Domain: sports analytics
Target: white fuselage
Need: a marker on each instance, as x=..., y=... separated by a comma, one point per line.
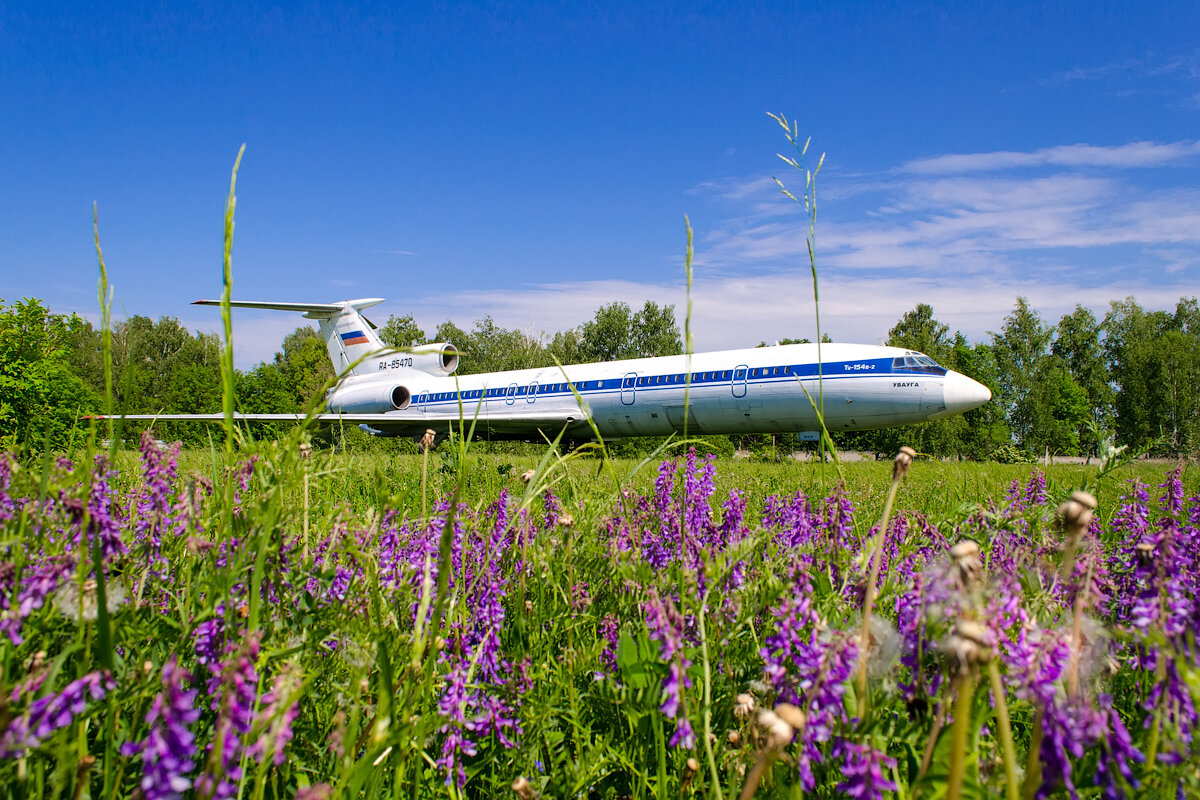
x=755, y=390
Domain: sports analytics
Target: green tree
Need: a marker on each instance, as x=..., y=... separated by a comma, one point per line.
x=40, y=394
x=824, y=340
x=1077, y=343
x=616, y=332
x=985, y=428
x=1019, y=349
x=1060, y=408
x=1131, y=348
x=918, y=330
x=304, y=362
x=566, y=346
x=402, y=332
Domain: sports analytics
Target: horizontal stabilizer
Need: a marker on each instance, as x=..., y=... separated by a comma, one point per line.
x=410, y=421
x=310, y=310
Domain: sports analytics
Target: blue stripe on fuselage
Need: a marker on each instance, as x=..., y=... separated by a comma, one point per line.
x=861, y=368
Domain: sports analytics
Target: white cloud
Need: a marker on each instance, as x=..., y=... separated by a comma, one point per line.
x=1134, y=154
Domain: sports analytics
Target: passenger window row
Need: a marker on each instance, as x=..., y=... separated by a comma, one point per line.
x=649, y=380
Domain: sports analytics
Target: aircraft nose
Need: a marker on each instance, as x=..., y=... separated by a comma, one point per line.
x=963, y=393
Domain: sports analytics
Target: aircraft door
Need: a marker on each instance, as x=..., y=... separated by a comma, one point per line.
x=629, y=388
x=532, y=392
x=510, y=394
x=739, y=380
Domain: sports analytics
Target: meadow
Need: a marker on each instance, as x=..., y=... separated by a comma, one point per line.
x=266, y=619
x=280, y=621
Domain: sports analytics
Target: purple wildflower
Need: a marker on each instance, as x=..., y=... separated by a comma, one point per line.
x=664, y=624
x=39, y=582
x=169, y=751
x=52, y=712
x=234, y=702
x=280, y=707
x=610, y=632
x=452, y=707
x=862, y=765
x=1113, y=770
x=154, y=500
x=808, y=666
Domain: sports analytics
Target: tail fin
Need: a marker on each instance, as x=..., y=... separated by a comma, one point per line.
x=347, y=333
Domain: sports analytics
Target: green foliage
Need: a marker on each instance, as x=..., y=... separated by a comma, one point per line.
x=616, y=332
x=918, y=330
x=402, y=332
x=1077, y=341
x=1154, y=360
x=157, y=367
x=1019, y=348
x=40, y=393
x=824, y=340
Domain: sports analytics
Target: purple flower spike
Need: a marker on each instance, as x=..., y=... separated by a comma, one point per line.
x=276, y=718
x=863, y=767
x=168, y=753
x=52, y=712
x=664, y=624
x=235, y=702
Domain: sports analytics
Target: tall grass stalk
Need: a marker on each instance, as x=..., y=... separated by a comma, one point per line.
x=105, y=296
x=687, y=330
x=1012, y=787
x=227, y=373
x=809, y=201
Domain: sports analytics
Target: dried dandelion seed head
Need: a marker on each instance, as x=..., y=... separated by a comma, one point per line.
x=777, y=731
x=427, y=440
x=566, y=520
x=791, y=715
x=76, y=601
x=966, y=558
x=1095, y=658
x=969, y=645
x=1076, y=514
x=883, y=648
x=734, y=738
x=903, y=461
x=523, y=788
x=744, y=705
x=527, y=476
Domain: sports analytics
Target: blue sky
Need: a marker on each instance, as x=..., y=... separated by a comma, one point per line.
x=536, y=160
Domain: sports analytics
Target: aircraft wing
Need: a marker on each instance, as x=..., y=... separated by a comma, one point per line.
x=511, y=422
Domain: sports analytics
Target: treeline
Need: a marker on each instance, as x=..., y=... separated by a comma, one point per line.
x=1071, y=388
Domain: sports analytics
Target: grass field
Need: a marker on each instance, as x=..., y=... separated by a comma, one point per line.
x=298, y=623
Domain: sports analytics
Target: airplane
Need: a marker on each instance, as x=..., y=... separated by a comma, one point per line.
x=409, y=391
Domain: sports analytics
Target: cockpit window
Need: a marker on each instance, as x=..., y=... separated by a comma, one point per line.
x=917, y=362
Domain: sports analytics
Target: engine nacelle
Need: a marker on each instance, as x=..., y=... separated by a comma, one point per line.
x=375, y=397
x=440, y=358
